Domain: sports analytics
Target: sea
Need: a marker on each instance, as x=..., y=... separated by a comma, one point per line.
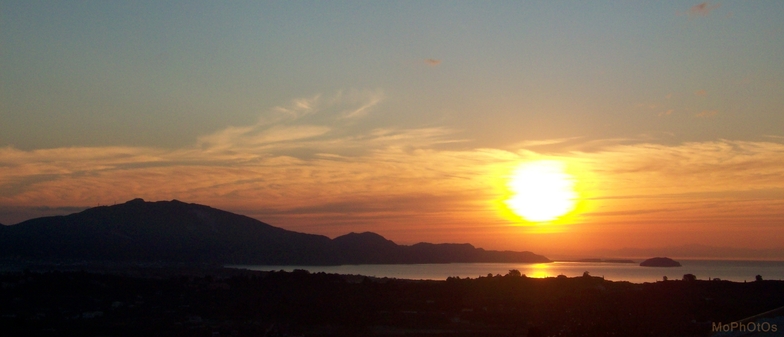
x=731, y=270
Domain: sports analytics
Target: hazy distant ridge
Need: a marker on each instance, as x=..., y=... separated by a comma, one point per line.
x=696, y=251
x=173, y=231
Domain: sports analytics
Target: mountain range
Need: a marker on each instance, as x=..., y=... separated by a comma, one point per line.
x=178, y=232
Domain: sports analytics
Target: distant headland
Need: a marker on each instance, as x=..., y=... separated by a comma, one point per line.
x=594, y=260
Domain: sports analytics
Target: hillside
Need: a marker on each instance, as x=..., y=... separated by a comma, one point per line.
x=177, y=232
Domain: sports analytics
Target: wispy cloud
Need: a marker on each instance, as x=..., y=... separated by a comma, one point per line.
x=539, y=143
x=315, y=122
x=706, y=113
x=701, y=93
x=702, y=9
x=305, y=165
x=432, y=62
x=361, y=102
x=305, y=152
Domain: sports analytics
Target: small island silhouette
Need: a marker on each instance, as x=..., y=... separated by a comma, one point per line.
x=660, y=262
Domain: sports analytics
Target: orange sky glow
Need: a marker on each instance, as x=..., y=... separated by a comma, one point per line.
x=402, y=186
x=408, y=119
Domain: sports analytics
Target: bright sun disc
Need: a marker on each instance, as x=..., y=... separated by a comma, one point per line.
x=541, y=191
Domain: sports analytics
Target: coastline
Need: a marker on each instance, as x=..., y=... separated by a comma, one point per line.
x=731, y=270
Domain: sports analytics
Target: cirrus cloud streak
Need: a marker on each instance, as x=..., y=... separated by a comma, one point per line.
x=306, y=166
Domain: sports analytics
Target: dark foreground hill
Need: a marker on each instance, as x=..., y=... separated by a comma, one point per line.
x=245, y=303
x=177, y=232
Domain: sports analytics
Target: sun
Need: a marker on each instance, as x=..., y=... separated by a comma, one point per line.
x=541, y=191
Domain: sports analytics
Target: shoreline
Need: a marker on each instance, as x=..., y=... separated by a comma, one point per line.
x=616, y=272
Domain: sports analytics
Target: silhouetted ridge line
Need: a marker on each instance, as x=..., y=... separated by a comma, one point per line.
x=178, y=232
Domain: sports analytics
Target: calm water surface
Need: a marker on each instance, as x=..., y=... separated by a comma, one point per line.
x=738, y=271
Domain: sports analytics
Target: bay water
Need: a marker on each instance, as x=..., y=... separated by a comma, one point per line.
x=738, y=271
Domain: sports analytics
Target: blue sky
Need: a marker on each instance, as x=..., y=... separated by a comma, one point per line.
x=122, y=73
x=95, y=92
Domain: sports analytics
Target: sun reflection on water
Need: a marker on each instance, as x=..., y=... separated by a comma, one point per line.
x=540, y=270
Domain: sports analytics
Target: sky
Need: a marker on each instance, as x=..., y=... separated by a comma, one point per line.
x=404, y=118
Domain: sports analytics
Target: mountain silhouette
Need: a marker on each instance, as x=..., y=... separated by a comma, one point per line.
x=365, y=248
x=178, y=232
